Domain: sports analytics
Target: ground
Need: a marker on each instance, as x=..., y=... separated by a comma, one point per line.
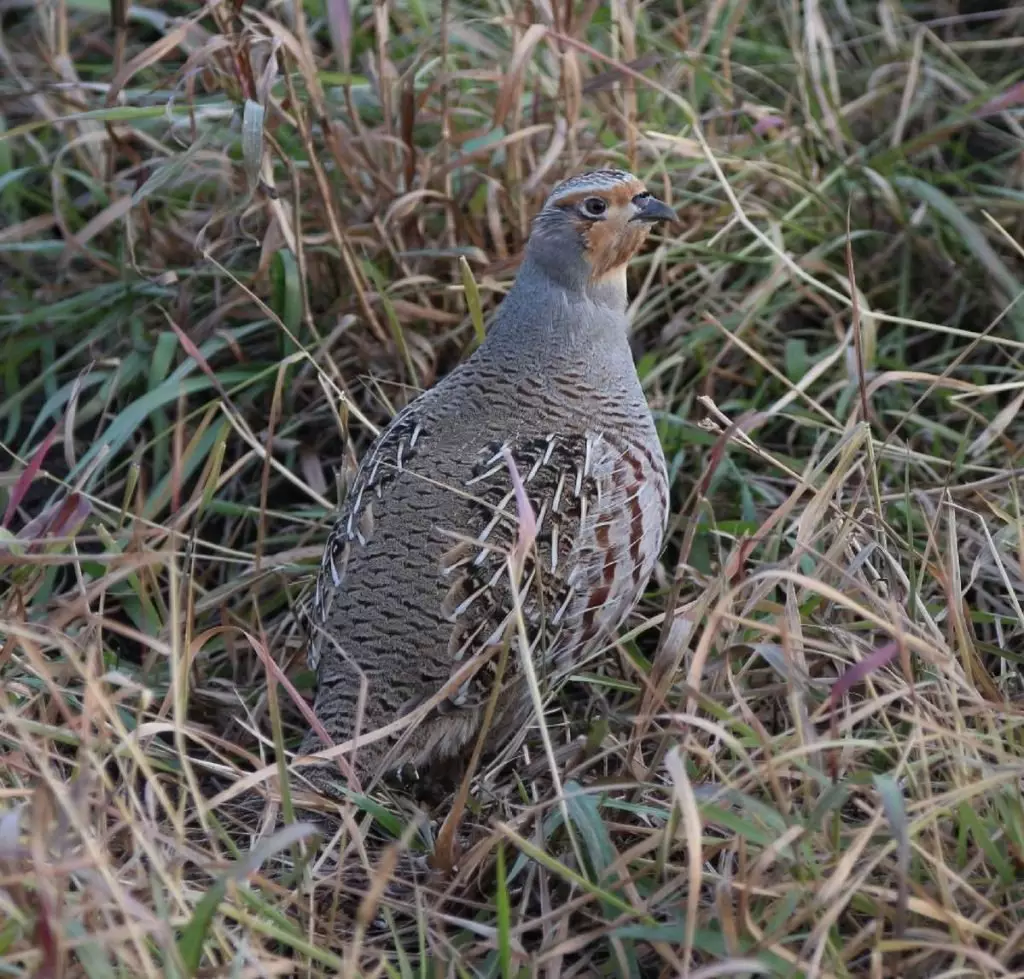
x=235, y=240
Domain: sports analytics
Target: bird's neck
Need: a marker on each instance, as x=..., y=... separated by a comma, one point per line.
x=550, y=262
x=564, y=313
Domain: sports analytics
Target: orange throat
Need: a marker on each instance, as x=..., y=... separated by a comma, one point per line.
x=610, y=249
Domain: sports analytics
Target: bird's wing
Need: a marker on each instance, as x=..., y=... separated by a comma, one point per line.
x=384, y=462
x=575, y=578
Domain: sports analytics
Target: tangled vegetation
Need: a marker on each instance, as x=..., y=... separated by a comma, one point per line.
x=236, y=238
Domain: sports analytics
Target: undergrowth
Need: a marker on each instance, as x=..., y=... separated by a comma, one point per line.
x=235, y=239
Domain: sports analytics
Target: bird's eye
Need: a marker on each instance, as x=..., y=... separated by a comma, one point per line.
x=594, y=207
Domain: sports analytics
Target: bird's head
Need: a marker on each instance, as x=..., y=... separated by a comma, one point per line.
x=591, y=225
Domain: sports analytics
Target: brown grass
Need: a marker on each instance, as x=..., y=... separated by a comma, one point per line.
x=234, y=242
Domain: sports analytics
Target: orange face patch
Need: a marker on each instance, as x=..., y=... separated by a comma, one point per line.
x=613, y=240
x=610, y=245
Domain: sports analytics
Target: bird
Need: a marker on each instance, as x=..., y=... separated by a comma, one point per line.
x=415, y=591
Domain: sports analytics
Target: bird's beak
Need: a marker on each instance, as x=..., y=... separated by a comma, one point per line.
x=652, y=210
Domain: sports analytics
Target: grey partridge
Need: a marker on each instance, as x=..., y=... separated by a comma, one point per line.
x=415, y=587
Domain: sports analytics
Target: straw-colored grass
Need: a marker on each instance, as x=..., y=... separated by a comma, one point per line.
x=234, y=240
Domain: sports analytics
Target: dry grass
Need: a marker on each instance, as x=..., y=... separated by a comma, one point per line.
x=231, y=245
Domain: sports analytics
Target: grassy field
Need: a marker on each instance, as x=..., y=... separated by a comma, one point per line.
x=235, y=240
